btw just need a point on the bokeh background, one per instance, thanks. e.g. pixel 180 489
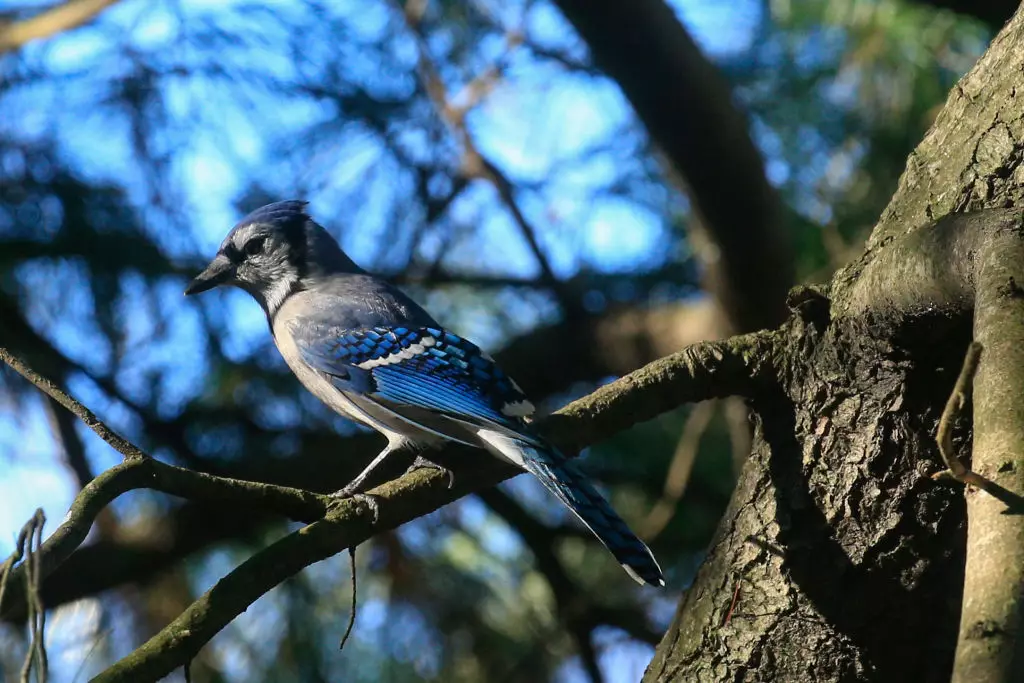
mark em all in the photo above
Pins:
pixel 475 152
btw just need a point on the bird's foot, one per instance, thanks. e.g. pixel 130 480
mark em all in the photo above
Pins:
pixel 422 463
pixel 371 502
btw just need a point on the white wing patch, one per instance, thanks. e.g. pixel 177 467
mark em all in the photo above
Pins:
pixel 521 408
pixel 399 356
pixel 503 446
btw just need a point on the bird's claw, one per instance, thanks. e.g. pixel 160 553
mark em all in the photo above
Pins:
pixel 366 499
pixel 422 463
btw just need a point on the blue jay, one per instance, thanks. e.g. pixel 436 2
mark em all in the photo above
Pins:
pixel 372 354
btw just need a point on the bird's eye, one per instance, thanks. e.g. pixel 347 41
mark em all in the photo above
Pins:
pixel 255 245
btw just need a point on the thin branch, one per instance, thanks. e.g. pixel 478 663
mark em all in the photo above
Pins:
pixel 707 370
pixel 474 163
pixel 352 614
pixel 954 407
pixel 36 613
pixel 139 473
pixel 56 20
pixel 26 550
pixel 120 444
pixel 679 470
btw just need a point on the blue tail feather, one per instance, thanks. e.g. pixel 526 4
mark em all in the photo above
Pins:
pixel 561 476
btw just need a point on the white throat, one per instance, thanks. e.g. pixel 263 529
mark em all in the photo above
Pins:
pixel 276 293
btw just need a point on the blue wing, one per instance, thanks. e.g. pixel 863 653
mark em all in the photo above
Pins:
pixel 422 367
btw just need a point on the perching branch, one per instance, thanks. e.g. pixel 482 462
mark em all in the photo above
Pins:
pixel 708 370
pixel 612 343
pixel 147 473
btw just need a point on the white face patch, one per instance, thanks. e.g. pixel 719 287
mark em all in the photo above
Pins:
pixel 521 408
pixel 399 356
pixel 278 291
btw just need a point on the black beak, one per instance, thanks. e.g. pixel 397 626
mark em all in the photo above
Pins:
pixel 220 270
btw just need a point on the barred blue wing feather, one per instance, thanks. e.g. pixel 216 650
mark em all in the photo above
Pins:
pixel 425 367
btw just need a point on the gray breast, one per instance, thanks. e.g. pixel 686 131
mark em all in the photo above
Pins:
pixel 354 407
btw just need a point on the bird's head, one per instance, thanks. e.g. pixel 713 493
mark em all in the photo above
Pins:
pixel 274 251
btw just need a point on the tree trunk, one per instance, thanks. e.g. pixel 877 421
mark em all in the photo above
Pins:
pixel 839 558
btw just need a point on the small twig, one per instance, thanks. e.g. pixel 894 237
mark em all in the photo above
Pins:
pixel 63 17
pixel 956 470
pixel 97 639
pixel 119 443
pixel 29 542
pixel 735 599
pixel 679 470
pixel 474 163
pixel 15 557
pixel 352 615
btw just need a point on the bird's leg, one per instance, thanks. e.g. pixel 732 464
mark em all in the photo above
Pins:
pixel 352 489
pixel 423 463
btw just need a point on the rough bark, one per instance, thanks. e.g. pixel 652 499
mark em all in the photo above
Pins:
pixel 839 559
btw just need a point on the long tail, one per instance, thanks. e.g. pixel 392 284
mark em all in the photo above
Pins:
pixel 561 476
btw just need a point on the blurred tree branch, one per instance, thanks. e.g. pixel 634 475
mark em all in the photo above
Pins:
pixel 63 17
pixel 995 13
pixel 679 471
pixel 711 369
pixel 688 109
pixel 474 164
pixel 578 611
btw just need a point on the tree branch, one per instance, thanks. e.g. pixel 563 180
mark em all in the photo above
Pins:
pixel 708 370
pixel 712 369
pixel 63 17
pixel 119 444
pixel 612 343
pixel 688 109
